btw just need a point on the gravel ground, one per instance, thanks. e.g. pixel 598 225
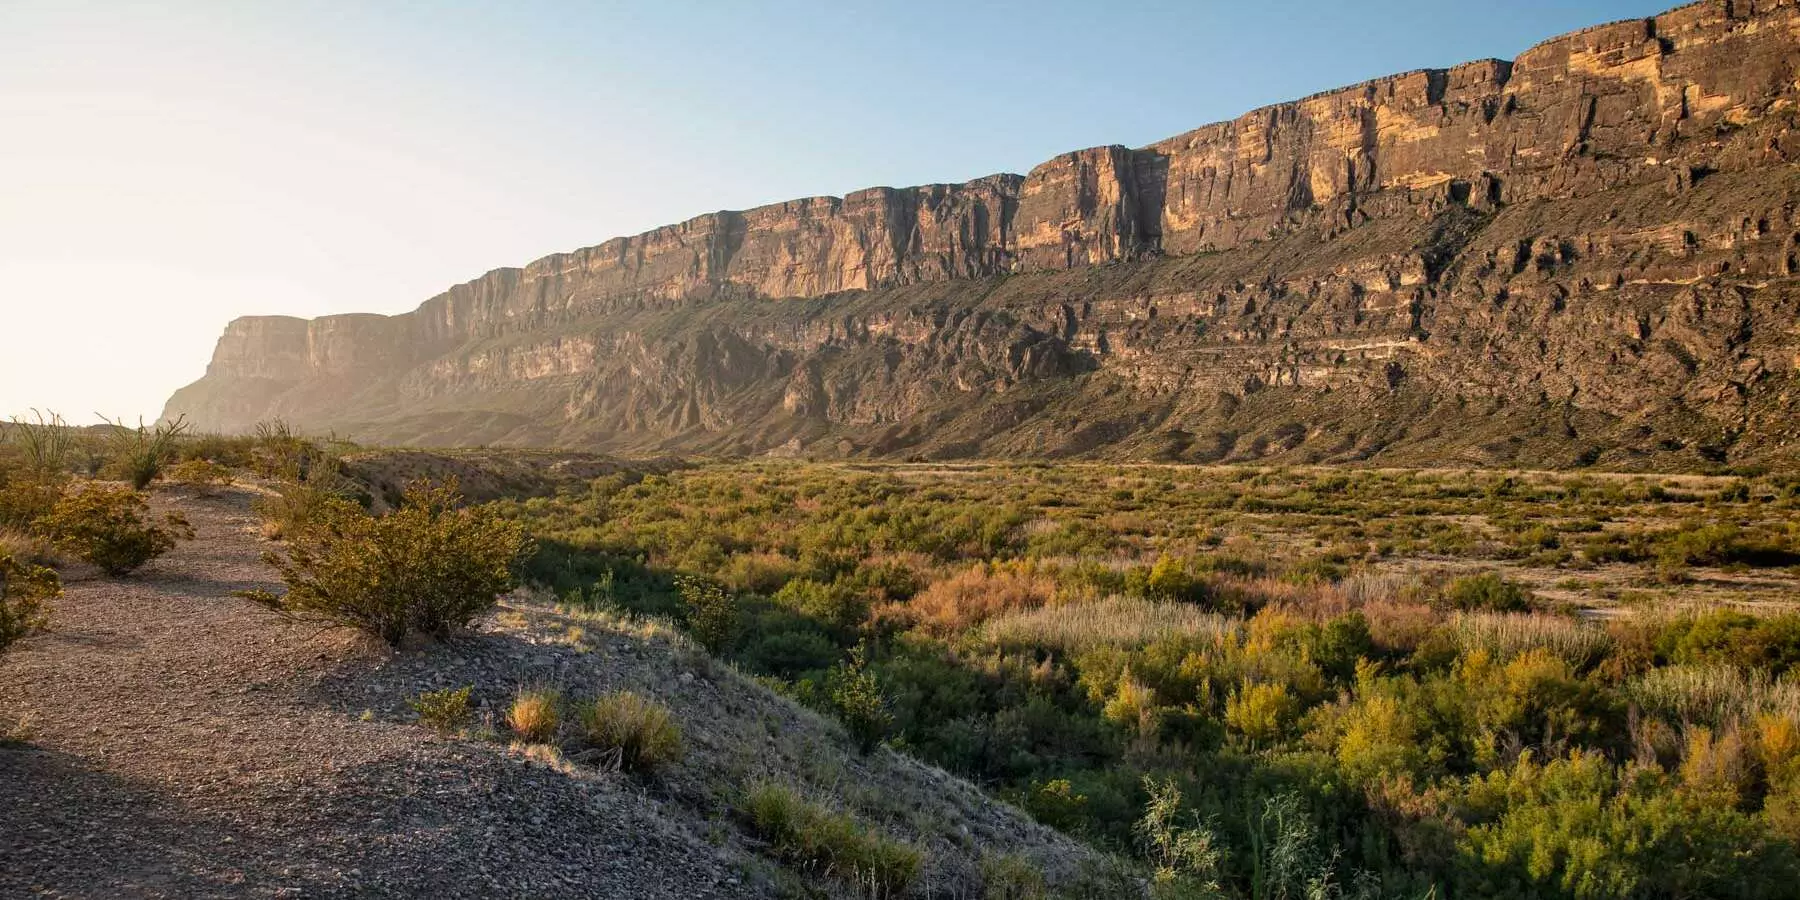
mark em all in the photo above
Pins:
pixel 186 743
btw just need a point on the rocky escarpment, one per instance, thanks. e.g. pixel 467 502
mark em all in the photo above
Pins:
pixel 1585 255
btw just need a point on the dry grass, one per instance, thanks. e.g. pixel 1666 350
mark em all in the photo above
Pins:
pixel 1113 622
pixel 535 715
pixel 637 732
pixel 1714 696
pixel 30 548
pixel 1506 635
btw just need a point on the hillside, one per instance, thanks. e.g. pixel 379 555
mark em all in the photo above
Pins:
pixel 187 743
pixel 1584 256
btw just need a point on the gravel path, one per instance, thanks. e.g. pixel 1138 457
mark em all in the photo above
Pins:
pixel 185 745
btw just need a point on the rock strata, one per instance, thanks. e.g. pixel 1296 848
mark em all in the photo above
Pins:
pixel 1585 255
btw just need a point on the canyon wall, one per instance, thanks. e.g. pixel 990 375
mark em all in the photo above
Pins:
pixel 1585 255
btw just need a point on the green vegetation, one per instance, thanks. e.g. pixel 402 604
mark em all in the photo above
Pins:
pixel 25 590
pixel 632 731
pixel 429 567
pixel 830 843
pixel 447 710
pixel 1264 683
pixel 139 454
pixel 110 527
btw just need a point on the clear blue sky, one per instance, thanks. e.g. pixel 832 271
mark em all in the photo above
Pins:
pixel 167 166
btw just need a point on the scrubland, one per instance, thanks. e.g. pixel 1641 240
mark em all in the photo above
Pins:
pixel 1222 681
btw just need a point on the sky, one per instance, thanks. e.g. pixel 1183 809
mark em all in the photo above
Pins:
pixel 168 166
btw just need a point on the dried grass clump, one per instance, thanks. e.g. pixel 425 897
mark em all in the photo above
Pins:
pixel 1506 635
pixel 1715 696
pixel 535 715
pixel 1113 622
pixel 636 732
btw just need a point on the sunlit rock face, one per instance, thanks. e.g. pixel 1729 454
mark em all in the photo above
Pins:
pixel 1586 255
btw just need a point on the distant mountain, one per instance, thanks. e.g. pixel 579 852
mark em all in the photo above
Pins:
pixel 1583 256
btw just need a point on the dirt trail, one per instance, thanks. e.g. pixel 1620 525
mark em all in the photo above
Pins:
pixel 186 745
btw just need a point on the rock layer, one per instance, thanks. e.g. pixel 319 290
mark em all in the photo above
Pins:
pixel 1583 255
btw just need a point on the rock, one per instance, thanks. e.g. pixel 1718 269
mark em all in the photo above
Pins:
pixel 1605 225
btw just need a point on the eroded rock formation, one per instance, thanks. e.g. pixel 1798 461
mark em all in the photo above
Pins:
pixel 1585 255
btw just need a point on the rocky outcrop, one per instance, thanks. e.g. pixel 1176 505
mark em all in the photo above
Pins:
pixel 1583 255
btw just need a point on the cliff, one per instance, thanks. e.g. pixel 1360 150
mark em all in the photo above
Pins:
pixel 1585 255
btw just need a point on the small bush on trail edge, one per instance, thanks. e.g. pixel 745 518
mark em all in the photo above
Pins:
pixel 635 731
pixel 28 495
pixel 24 589
pixel 448 710
pixel 427 568
pixel 139 454
pixel 108 526
pixel 203 475
pixel 830 843
pixel 535 715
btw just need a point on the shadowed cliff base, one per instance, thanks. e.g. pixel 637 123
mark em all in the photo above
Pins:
pixel 1585 256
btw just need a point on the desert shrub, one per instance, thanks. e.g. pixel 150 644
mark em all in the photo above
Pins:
pixel 308 489
pixel 837 606
pixel 427 568
pixel 711 612
pixel 1579 827
pixel 1262 713
pixel 447 710
pixel 45 442
pixel 855 697
pixel 1184 856
pixel 28 495
pixel 1487 592
pixel 24 592
pixel 199 473
pixel 139 454
pixel 1008 876
pixel 535 714
pixel 110 527
pixel 1055 803
pixel 635 732
pixel 830 843
pixel 969 598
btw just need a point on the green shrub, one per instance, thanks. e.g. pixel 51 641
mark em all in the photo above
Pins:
pixel 1184 857
pixel 636 732
pixel 830 843
pixel 109 527
pixel 711 612
pixel 139 454
pixel 24 590
pixel 28 495
pixel 1487 592
pixel 857 700
pixel 427 568
pixel 201 474
pixel 446 710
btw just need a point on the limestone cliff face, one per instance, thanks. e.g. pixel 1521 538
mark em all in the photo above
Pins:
pixel 1585 254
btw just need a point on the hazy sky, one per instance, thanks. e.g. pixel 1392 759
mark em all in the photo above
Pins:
pixel 168 166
